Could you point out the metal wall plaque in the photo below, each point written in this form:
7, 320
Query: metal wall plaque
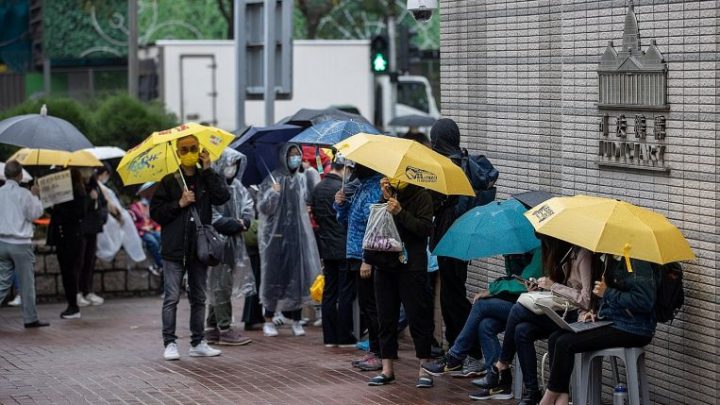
632, 89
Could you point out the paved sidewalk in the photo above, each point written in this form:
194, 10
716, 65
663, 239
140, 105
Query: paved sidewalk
113, 355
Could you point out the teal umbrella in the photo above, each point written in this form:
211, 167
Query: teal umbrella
498, 228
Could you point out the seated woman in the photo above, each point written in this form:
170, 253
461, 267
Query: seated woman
627, 299
489, 315
569, 270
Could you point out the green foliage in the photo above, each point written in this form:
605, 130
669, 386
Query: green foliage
117, 120
181, 19
124, 122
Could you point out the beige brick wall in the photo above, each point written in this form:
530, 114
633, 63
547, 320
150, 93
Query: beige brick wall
520, 79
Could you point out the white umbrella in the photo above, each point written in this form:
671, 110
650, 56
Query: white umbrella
26, 176
106, 152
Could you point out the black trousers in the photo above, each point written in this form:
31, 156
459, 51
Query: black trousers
69, 254
454, 305
252, 310
87, 268
563, 345
367, 304
337, 303
409, 288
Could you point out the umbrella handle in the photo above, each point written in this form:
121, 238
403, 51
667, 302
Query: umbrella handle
626, 254
268, 170
184, 184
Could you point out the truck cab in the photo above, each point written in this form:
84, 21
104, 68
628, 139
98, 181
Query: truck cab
414, 97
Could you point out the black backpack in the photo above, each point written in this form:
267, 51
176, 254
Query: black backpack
482, 175
670, 295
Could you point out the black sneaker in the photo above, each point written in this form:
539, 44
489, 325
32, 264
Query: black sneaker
71, 313
495, 385
531, 397
471, 368
443, 365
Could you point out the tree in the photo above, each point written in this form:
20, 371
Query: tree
314, 11
227, 9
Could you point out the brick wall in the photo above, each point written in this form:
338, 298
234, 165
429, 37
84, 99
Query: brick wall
110, 279
520, 79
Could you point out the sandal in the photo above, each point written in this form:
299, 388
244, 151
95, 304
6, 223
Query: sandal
424, 382
381, 379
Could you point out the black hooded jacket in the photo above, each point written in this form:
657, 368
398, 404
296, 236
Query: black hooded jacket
445, 138
178, 232
331, 235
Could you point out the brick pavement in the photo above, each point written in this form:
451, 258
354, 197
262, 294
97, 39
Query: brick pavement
113, 355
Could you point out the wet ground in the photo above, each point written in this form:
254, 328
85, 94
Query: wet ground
113, 355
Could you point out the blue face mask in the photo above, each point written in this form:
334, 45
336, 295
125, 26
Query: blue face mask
294, 162
145, 201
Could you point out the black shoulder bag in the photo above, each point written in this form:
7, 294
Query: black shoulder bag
209, 247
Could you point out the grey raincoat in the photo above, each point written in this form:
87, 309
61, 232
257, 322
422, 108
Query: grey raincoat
288, 251
232, 278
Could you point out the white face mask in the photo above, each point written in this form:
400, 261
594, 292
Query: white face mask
230, 172
104, 180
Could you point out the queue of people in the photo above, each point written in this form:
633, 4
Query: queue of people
272, 226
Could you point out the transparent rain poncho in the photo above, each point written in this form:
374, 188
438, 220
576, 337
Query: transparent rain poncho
288, 252
232, 278
118, 234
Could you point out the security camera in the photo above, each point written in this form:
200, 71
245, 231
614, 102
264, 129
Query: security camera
422, 10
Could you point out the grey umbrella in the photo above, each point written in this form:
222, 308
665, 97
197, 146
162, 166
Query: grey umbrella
533, 198
41, 131
307, 117
412, 121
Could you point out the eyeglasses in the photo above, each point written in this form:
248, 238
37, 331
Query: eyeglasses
185, 150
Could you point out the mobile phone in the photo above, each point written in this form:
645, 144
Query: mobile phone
531, 282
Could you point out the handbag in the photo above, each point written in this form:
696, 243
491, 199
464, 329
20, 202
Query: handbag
209, 245
531, 299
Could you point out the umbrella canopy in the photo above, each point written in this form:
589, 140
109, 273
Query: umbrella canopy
611, 226
41, 131
25, 179
533, 198
307, 117
156, 156
328, 133
260, 145
413, 120
408, 161
498, 228
46, 157
106, 152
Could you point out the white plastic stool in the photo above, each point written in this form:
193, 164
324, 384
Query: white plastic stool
588, 375
517, 379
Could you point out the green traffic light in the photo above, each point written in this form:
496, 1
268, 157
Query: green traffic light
380, 63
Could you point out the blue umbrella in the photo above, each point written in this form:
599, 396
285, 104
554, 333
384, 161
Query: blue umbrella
260, 145
498, 228
328, 133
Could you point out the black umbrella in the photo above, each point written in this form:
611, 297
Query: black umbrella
307, 117
533, 198
41, 131
413, 120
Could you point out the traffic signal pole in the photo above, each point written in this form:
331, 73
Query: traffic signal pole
392, 33
240, 64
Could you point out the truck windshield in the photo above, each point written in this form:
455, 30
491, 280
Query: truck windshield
413, 94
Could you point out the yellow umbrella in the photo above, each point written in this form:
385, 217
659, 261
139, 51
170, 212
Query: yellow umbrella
408, 161
47, 157
155, 157
610, 226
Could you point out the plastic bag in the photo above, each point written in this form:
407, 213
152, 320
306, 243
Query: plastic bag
381, 233
316, 289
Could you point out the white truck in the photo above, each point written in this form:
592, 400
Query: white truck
197, 82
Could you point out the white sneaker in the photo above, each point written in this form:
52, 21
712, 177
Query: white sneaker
95, 299
16, 302
297, 329
81, 301
269, 329
203, 350
318, 323
279, 319
171, 352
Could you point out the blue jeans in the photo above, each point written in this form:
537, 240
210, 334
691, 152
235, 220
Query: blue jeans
152, 243
19, 260
487, 318
522, 330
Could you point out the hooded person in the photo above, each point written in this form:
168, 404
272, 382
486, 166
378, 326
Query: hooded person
455, 307
231, 278
288, 252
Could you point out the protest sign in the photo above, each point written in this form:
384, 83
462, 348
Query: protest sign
55, 188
